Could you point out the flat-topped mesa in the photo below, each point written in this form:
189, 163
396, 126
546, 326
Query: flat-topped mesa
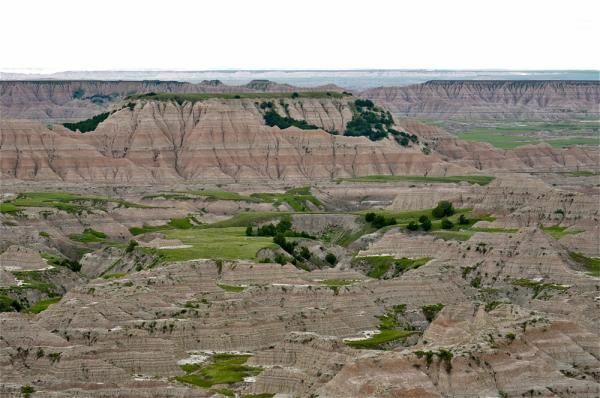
492, 99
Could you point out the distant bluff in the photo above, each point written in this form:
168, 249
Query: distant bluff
492, 99
72, 100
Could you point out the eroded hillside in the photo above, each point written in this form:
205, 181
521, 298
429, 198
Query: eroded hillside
263, 241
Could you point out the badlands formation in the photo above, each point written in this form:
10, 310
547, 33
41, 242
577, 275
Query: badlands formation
166, 239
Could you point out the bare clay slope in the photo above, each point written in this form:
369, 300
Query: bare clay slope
217, 139
492, 99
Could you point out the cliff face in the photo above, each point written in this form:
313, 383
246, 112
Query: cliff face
492, 99
74, 100
219, 140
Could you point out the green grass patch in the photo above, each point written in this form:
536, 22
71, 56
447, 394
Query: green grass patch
231, 288
88, 235
592, 265
297, 198
181, 98
224, 195
480, 180
382, 338
42, 305
388, 331
495, 230
174, 223
69, 202
35, 280
8, 208
582, 173
509, 137
404, 264
215, 195
224, 243
379, 266
61, 262
337, 282
558, 232
248, 218
222, 369
538, 287
116, 275
453, 235
465, 232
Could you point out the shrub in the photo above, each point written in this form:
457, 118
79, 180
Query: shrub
425, 223
78, 94
446, 356
87, 125
412, 226
369, 121
7, 304
379, 220
364, 103
181, 223
295, 95
305, 253
430, 311
64, 262
462, 220
249, 231
331, 258
54, 357
281, 259
284, 244
443, 209
447, 224
272, 118
27, 391
131, 246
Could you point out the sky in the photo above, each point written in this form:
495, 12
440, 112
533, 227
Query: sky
61, 35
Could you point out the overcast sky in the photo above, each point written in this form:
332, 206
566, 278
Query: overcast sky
58, 35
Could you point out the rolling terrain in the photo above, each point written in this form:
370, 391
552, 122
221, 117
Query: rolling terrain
202, 240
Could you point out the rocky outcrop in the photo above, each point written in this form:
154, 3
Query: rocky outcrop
493, 99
